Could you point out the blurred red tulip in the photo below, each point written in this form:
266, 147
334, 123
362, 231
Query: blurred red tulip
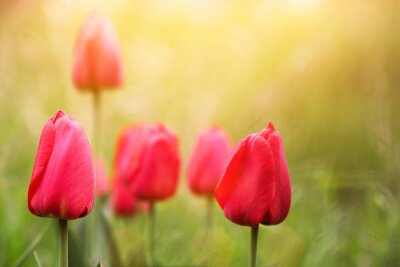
123, 200
208, 160
128, 152
97, 61
101, 177
126, 163
142, 206
255, 187
158, 169
63, 178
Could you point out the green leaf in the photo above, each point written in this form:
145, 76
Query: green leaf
37, 259
30, 248
114, 253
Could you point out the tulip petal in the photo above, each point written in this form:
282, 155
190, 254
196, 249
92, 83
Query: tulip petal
129, 150
123, 200
247, 187
280, 206
45, 149
158, 174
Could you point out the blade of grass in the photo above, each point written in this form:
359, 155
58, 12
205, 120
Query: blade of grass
37, 259
114, 253
30, 248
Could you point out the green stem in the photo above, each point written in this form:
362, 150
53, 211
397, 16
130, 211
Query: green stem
253, 247
210, 205
63, 242
96, 119
92, 243
152, 225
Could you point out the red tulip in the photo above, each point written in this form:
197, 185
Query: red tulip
255, 187
158, 164
208, 160
101, 180
126, 163
123, 200
142, 206
63, 178
128, 152
97, 60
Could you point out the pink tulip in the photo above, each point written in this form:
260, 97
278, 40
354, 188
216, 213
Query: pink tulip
158, 164
255, 187
208, 160
63, 178
97, 60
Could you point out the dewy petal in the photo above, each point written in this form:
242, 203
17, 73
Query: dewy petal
280, 206
158, 174
247, 187
66, 190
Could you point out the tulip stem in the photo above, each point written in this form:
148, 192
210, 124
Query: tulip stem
96, 117
152, 225
210, 205
253, 247
63, 242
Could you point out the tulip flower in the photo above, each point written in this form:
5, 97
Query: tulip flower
63, 178
156, 176
147, 161
255, 187
97, 63
207, 163
97, 60
126, 163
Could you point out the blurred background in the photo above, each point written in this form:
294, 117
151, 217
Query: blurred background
327, 73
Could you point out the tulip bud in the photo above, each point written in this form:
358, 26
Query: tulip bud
208, 161
158, 172
255, 187
63, 178
97, 60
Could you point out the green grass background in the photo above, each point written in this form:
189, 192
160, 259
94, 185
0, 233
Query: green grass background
326, 72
